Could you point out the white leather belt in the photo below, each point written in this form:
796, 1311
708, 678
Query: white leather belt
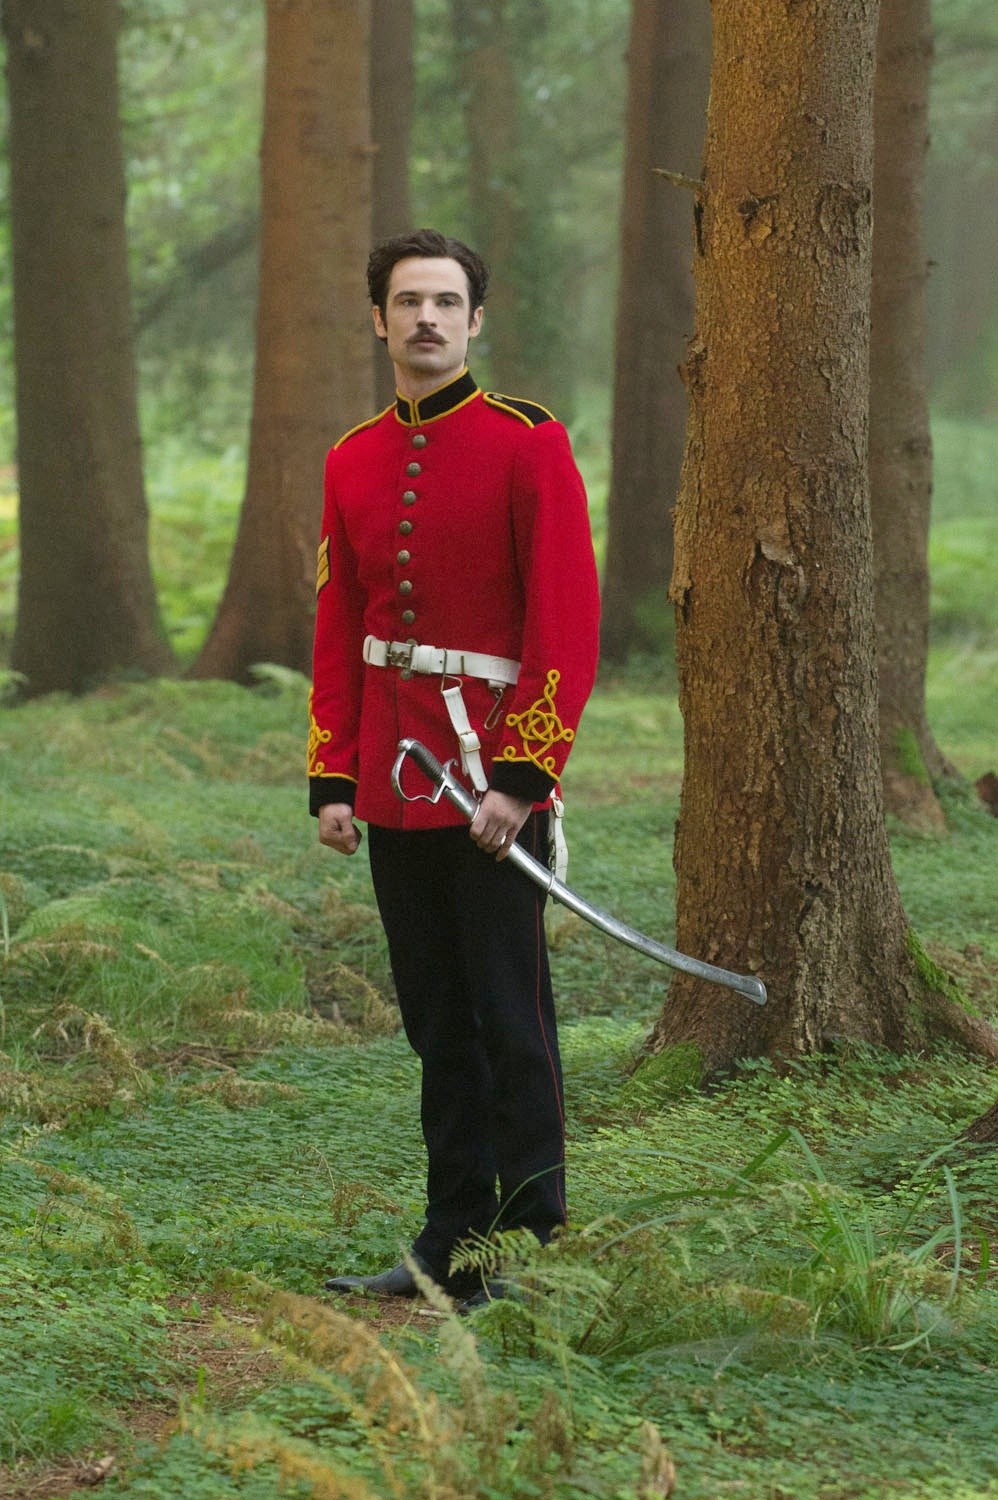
437, 661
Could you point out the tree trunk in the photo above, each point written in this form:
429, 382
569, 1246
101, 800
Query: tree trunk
782, 860
391, 118
668, 70
313, 347
985, 1129
512, 176
86, 603
900, 444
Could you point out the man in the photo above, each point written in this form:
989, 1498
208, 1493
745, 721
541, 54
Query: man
457, 604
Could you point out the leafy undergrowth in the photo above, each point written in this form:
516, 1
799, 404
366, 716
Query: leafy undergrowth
783, 1288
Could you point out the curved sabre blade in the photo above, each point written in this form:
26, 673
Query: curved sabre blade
448, 785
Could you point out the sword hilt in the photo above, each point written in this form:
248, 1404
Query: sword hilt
444, 781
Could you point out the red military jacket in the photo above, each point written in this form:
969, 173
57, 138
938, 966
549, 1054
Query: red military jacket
458, 521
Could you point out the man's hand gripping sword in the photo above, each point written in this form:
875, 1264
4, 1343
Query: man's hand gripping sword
447, 785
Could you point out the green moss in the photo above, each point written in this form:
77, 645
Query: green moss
936, 978
908, 756
665, 1075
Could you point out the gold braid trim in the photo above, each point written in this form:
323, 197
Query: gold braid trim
322, 566
540, 729
316, 739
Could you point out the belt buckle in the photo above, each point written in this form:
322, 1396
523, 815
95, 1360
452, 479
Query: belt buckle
400, 654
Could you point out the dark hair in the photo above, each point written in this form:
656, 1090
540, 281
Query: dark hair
429, 244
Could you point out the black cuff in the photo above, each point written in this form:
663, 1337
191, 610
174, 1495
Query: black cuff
519, 778
323, 789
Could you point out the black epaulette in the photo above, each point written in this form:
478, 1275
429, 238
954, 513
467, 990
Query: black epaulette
362, 426
524, 411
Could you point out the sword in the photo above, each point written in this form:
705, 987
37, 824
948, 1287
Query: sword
446, 784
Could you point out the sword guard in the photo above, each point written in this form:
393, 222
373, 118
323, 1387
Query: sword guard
438, 786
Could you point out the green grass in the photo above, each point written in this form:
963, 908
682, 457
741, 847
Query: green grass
207, 1105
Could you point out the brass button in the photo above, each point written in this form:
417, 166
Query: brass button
405, 587
403, 557
413, 469
405, 527
419, 440
408, 617
408, 497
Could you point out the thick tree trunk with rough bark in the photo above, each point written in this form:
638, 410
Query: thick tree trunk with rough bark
86, 605
781, 852
668, 71
900, 444
313, 348
391, 119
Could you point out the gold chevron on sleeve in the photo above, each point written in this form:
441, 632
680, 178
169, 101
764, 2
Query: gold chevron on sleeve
322, 566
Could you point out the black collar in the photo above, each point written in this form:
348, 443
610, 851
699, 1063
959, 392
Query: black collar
438, 403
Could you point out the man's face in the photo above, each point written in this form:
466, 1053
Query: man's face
428, 319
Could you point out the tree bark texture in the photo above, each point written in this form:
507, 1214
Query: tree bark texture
668, 73
391, 118
900, 442
313, 376
781, 853
86, 603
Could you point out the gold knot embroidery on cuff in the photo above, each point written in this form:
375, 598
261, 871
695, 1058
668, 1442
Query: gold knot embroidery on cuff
540, 729
316, 739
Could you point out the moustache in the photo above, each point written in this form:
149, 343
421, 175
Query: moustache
424, 337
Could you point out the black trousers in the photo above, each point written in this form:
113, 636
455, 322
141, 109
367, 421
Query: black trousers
469, 959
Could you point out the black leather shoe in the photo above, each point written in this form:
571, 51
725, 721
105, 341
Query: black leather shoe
493, 1291
398, 1282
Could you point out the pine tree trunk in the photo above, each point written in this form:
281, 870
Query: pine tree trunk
391, 118
86, 605
781, 855
313, 348
512, 185
900, 444
668, 68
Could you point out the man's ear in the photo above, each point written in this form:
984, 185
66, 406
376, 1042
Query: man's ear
379, 323
475, 326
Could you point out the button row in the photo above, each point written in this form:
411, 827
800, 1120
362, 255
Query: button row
409, 497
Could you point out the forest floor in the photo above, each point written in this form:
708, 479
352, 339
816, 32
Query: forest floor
783, 1287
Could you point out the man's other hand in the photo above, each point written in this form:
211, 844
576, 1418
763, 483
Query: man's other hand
498, 821
337, 827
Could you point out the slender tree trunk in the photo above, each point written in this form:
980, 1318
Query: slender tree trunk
781, 853
668, 71
900, 444
313, 349
512, 181
391, 119
86, 604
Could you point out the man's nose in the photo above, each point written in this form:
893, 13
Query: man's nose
428, 313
